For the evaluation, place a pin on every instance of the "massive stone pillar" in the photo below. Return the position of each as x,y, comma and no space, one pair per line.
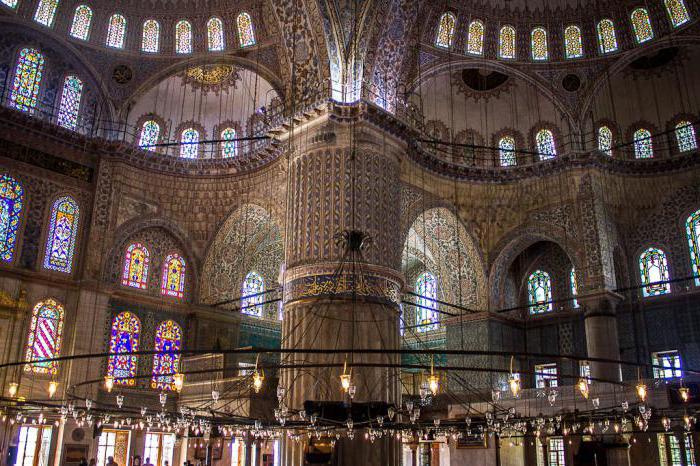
341,179
601,333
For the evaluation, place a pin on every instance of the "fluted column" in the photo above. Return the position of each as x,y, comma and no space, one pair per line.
342,180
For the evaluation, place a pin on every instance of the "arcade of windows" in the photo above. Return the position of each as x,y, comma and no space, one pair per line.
639,18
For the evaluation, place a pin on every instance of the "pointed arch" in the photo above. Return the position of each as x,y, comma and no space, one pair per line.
573,44
82,19
215,35
692,230
116,31
506,151
166,364
125,338
29,71
135,270
183,37
446,30
246,34
641,24
44,339
539,292
653,269
607,40
63,230
506,42
11,205
475,38
229,146
173,276
150,36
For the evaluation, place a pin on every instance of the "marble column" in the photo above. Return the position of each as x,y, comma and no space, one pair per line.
601,333
343,178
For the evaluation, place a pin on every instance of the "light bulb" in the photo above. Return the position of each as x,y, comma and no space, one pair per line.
642,391
345,381
434,383
583,387
179,381
109,383
684,393
53,386
258,379
12,388
514,384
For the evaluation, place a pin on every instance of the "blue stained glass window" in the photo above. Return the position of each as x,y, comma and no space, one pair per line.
189,143
574,287
228,147
685,136
165,364
252,298
539,292
11,204
63,229
150,131
427,317
45,12
506,150
28,74
10,3
653,269
446,30
70,102
605,140
545,144
692,230
643,146
116,31
126,333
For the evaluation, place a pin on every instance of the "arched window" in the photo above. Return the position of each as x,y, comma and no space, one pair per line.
173,282
506,150
685,136
605,140
28,74
506,42
539,292
228,146
189,143
45,12
215,35
573,45
183,37
606,36
150,131
135,272
426,304
538,44
654,269
253,287
9,3
475,40
573,283
545,144
44,340
246,35
126,333
150,39
643,148
11,203
641,25
70,102
80,29
677,12
116,32
446,30
63,229
165,364
692,230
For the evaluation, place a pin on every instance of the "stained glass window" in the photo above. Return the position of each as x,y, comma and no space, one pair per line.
692,230
685,136
189,143
63,229
173,282
677,12
80,29
475,40
10,3
506,150
44,340
126,333
11,203
150,40
70,102
116,32
426,305
606,36
135,272
539,292
25,86
667,365
654,269
538,44
574,287
446,30
605,140
643,148
252,298
165,364
215,34
545,144
641,25
573,45
45,12
228,147
183,37
150,131
246,35
506,42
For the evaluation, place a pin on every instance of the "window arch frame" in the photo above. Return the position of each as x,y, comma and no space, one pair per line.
478,49
450,33
184,46
252,40
635,27
140,124
87,27
126,278
539,307
158,380
543,156
120,42
10,247
165,275
639,152
222,34
255,300
53,211
607,45
114,348
422,314
513,42
222,145
539,57
150,22
645,287
33,362
579,38
501,150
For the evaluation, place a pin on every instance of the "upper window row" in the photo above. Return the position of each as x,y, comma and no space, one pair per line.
643,140
573,42
150,37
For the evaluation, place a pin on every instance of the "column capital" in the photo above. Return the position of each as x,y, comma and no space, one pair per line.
599,302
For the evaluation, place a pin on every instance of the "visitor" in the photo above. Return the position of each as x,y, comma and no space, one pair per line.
93,462
111,462
148,462
83,461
